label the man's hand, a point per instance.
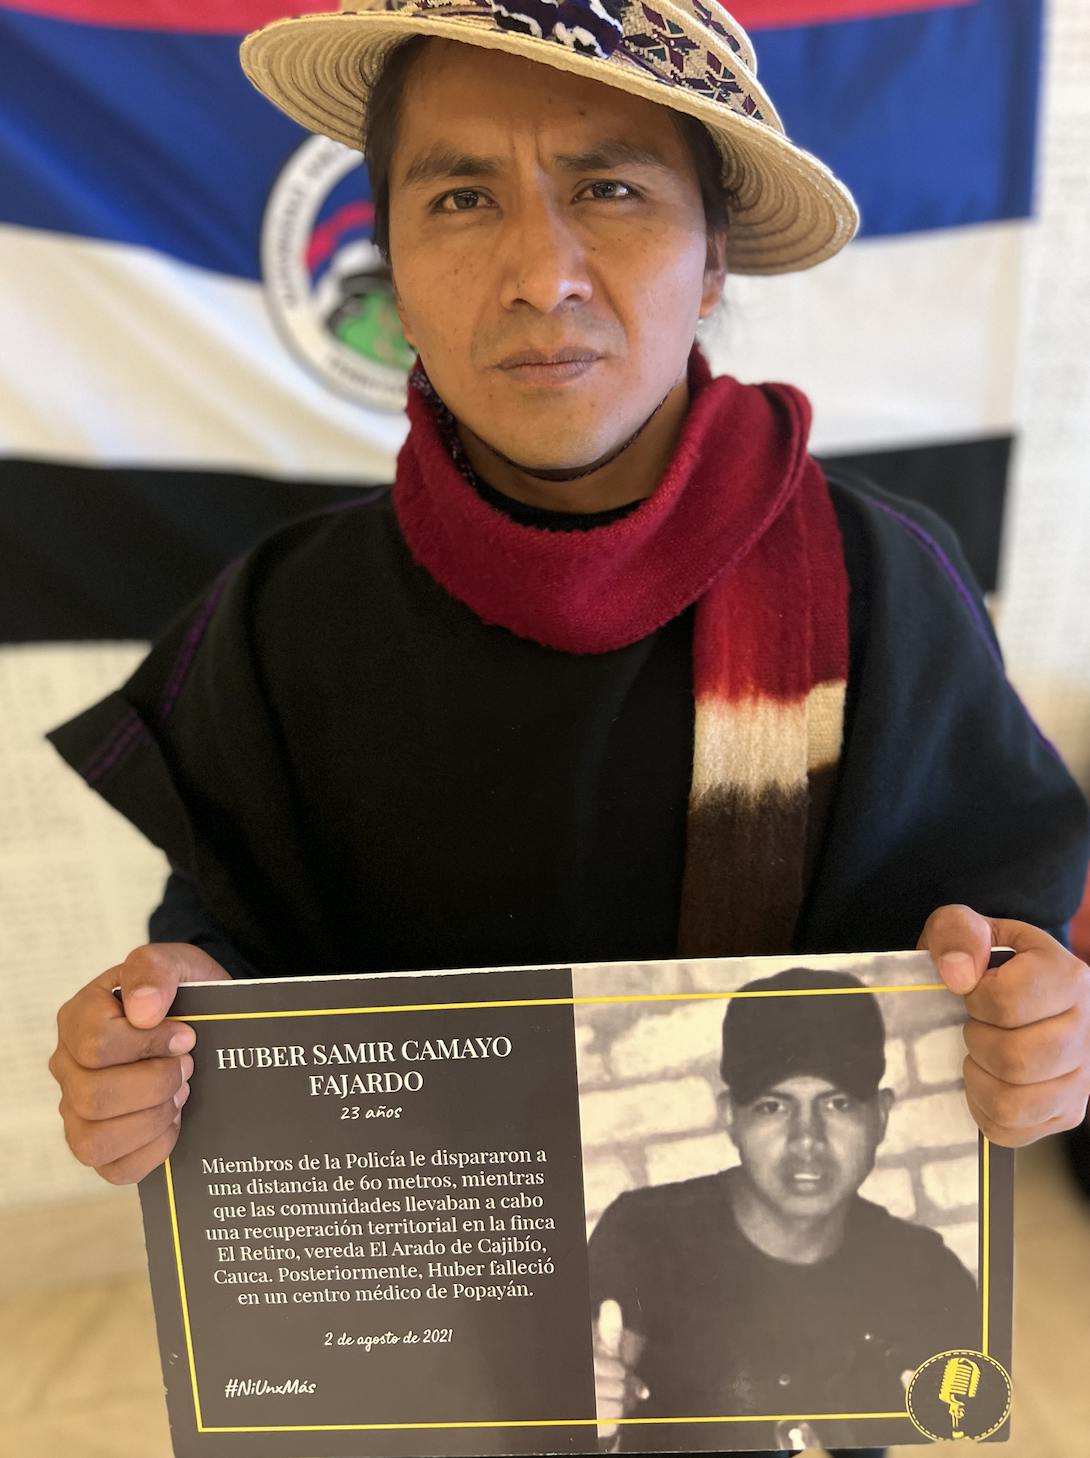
(123, 1072)
(617, 1388)
(1028, 1034)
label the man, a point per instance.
(612, 671)
(773, 1287)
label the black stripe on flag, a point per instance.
(113, 554)
(964, 482)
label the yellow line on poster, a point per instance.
(562, 1422)
(546, 1002)
(181, 1292)
(327, 1012)
(985, 1230)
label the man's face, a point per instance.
(531, 209)
(805, 1145)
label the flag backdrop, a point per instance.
(197, 342)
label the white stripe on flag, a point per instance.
(898, 341)
(118, 356)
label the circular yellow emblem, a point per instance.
(959, 1394)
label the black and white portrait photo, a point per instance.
(782, 1190)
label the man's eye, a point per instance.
(608, 197)
(459, 197)
(767, 1106)
(840, 1103)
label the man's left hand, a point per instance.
(1028, 1035)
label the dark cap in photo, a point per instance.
(840, 1039)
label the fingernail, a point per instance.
(643, 1392)
(182, 1094)
(187, 1067)
(182, 1040)
(958, 971)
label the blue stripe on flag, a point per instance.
(157, 139)
(930, 118)
(137, 137)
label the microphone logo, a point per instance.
(960, 1379)
(959, 1394)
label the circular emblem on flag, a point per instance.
(959, 1394)
(327, 287)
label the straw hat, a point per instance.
(791, 212)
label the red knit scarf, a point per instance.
(742, 525)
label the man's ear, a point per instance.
(886, 1098)
(726, 1114)
(715, 272)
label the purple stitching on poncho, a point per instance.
(130, 730)
(117, 742)
(199, 627)
(192, 642)
(928, 542)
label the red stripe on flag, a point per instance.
(235, 17)
(769, 14)
(238, 16)
(224, 17)
(327, 235)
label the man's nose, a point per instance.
(544, 261)
(807, 1125)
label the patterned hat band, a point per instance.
(787, 210)
(662, 47)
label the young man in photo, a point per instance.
(773, 1286)
(613, 671)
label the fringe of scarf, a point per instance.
(770, 655)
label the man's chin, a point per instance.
(812, 1204)
(539, 461)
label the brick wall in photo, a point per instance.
(649, 1080)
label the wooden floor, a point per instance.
(79, 1372)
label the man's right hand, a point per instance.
(617, 1386)
(123, 1071)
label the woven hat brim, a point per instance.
(791, 211)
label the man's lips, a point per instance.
(573, 354)
(810, 1179)
(557, 372)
